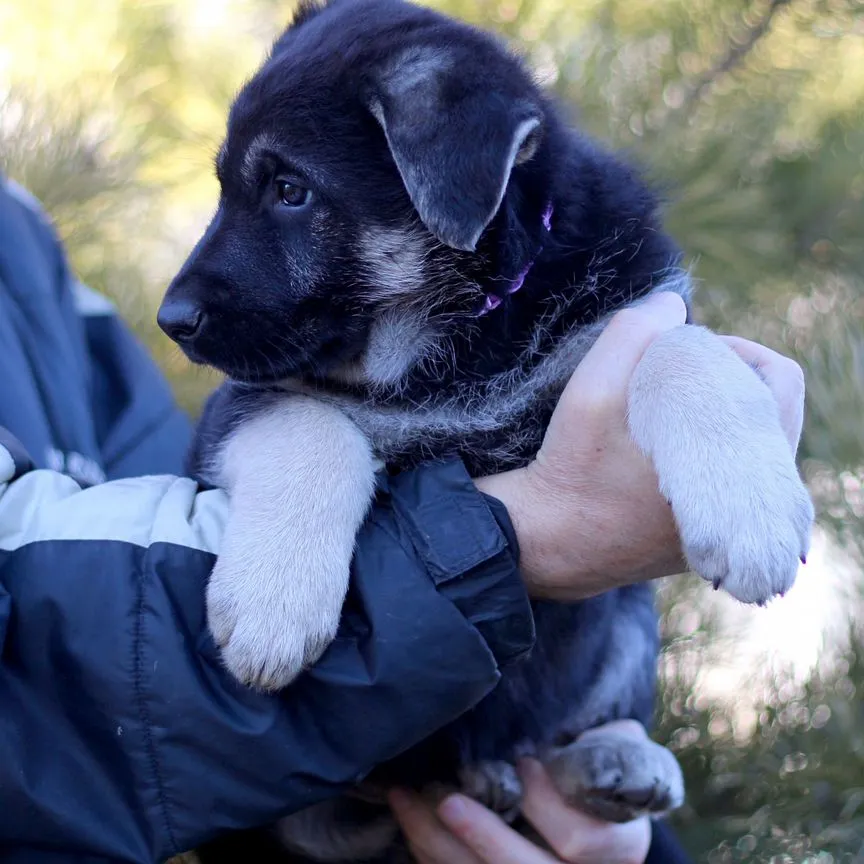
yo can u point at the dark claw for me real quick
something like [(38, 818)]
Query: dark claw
[(717, 583), (803, 559)]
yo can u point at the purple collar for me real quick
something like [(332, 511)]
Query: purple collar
[(493, 301)]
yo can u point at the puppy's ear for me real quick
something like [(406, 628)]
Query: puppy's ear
[(454, 144)]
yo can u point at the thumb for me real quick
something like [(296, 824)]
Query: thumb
[(607, 368)]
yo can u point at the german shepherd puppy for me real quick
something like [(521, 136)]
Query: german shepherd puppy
[(411, 253)]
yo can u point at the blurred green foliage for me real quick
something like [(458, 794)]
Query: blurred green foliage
[(749, 113)]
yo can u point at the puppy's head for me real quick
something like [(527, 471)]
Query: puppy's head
[(363, 169)]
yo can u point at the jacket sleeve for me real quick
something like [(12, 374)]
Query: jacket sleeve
[(123, 738), (139, 427), (102, 398)]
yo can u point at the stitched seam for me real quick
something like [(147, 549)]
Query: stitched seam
[(144, 710)]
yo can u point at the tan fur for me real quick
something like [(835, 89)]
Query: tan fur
[(300, 476)]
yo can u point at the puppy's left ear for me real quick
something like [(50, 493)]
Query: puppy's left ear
[(455, 142)]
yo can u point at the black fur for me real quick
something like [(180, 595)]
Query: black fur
[(290, 294)]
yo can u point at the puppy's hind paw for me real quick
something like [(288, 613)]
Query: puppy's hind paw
[(496, 785), (617, 777)]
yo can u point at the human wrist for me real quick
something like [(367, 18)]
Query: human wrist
[(543, 560), (576, 545)]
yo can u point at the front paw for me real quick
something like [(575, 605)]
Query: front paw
[(617, 777), (751, 530), (272, 619), (713, 431)]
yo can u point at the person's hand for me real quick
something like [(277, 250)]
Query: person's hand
[(785, 379), (462, 831), (588, 512)]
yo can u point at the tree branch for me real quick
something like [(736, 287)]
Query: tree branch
[(735, 54)]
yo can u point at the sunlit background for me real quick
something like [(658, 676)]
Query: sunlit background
[(751, 115)]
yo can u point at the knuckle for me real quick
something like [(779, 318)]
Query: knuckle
[(644, 324), (668, 306)]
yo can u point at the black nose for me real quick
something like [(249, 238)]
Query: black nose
[(180, 319)]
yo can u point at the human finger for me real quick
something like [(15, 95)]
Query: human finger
[(784, 378), (575, 836), (430, 842), (488, 837), (607, 368)]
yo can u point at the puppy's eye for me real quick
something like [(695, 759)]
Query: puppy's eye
[(292, 195)]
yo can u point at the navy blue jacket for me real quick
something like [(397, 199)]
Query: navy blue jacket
[(121, 737)]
